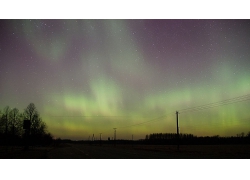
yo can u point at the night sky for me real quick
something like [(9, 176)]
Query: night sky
[(89, 76)]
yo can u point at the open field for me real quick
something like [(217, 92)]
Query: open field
[(84, 151), (18, 152)]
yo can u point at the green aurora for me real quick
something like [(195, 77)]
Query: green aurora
[(89, 76)]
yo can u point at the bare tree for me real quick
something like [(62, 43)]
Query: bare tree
[(5, 117), (30, 111), (15, 121), (248, 134), (38, 127), (242, 134), (2, 123), (11, 125)]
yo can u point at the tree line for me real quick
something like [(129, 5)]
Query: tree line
[(172, 138), (168, 136), (11, 125)]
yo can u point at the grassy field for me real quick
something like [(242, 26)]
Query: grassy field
[(21, 153), (201, 151), (81, 151)]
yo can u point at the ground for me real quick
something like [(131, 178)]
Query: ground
[(86, 151)]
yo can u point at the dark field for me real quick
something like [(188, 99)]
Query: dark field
[(86, 151)]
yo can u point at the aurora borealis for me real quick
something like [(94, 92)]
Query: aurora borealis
[(88, 76)]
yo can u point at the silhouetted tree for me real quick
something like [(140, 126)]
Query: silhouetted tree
[(248, 134), (15, 122), (30, 111), (38, 127), (242, 134), (2, 124), (11, 126), (5, 119)]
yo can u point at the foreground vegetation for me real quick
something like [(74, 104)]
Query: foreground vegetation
[(12, 131)]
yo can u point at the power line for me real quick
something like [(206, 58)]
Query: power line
[(198, 108), (223, 101), (215, 122), (202, 107), (191, 109), (93, 116), (155, 119), (217, 104)]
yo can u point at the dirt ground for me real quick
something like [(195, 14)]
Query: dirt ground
[(83, 151), (20, 153), (202, 151)]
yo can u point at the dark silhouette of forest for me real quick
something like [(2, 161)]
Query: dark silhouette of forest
[(186, 139), (13, 132), (169, 139)]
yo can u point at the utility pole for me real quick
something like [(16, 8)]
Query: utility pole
[(89, 140), (114, 136), (177, 128), (132, 139), (26, 126), (100, 138)]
